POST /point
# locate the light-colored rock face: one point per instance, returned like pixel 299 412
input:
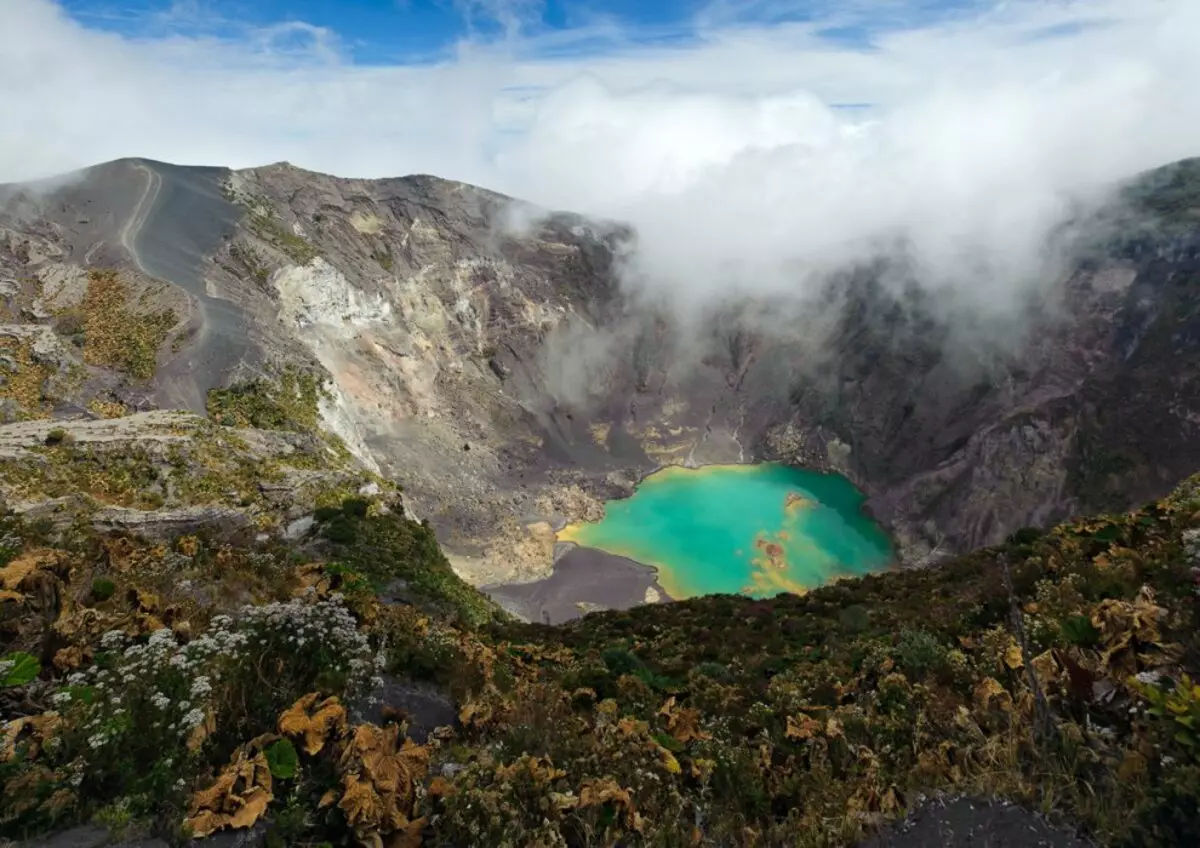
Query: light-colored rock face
pixel 319 294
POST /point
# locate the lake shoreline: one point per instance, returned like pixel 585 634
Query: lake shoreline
pixel 584 579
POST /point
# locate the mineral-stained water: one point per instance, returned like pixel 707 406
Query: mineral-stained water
pixel 751 529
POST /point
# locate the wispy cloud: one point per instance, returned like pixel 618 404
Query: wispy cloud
pixel 719 140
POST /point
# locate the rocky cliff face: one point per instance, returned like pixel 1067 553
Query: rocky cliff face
pixel 488 359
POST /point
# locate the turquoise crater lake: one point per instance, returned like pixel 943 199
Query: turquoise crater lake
pixel 756 530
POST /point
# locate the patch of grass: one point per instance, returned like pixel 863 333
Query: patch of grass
pixel 383 256
pixel 289 402
pixel 107 408
pixel 269 229
pixel 116 334
pixel 250 261
pixel 25 379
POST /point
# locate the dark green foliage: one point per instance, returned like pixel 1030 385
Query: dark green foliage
pixel 324 514
pixel 388 547
pixel 17 669
pixel 56 436
pixel 620 661
pixel 1171 814
pixel 340 530
pixel 103 589
pixel 356 507
pixel 283 759
pixel 1079 630
pixel 855 618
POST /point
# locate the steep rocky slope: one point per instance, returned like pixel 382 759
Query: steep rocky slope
pixel 489 359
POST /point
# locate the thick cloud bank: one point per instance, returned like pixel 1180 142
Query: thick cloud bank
pixel 735 156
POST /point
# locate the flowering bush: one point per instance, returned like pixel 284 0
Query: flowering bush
pixel 148 714
pixel 284 651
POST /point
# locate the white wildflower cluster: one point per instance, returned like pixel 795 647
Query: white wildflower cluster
pixel 162 688
pixel 6 666
pixel 144 690
pixel 112 640
pixel 300 625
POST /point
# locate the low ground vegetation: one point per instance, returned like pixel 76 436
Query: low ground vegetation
pixel 195 687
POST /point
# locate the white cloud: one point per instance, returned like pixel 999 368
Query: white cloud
pixel 726 151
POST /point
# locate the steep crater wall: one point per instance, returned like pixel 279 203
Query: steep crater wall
pixel 487 356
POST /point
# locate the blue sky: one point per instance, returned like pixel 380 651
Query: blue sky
pixel 605 105
pixel 391 31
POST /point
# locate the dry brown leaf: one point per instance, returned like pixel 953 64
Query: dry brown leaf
pixel 833 728
pixel 632 727
pixel 802 727
pixel 439 787
pixel 6 595
pixel 409 837
pixel 683 723
pixel 1046 666
pixel 72 657
pixel 14 574
pixel 315 722
pixel 35 731
pixel 990 693
pixel 312 578
pixel 361 803
pixel 380 775
pixel 143 600
pixel 599 791
pixel 1012 655
pixel 237 798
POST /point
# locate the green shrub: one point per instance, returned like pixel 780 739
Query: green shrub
pixel 919 653
pixel 150 715
pixel 103 589
pixel 289 402
pixel 621 661
pixel 356 507
pixel 855 618
pixel 340 531
pixel 57 436
pixel 326 513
